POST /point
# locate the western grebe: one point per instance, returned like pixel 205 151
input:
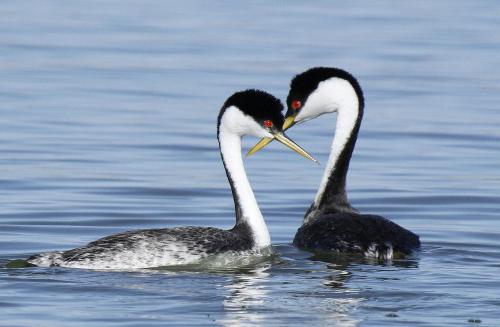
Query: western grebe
pixel 331 223
pixel 250 112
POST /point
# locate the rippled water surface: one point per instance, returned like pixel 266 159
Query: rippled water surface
pixel 107 124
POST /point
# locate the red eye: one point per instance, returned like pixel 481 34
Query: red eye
pixel 268 123
pixel 296 104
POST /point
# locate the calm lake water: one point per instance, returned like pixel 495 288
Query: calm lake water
pixel 108 121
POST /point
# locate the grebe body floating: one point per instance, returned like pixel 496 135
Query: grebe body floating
pixel 249 112
pixel 331 224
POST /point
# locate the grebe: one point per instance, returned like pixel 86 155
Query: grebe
pixel 331 224
pixel 251 112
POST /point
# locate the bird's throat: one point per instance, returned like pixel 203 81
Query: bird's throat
pixel 331 195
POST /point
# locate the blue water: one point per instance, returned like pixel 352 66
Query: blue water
pixel 107 124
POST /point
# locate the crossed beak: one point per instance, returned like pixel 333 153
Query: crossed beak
pixel 289 122
pixel 283 139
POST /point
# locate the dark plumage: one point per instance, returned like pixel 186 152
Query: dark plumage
pixel 331 223
pixel 351 233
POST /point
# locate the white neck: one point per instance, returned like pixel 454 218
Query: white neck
pixel 230 147
pixel 344 99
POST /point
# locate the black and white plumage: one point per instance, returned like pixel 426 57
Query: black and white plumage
pixel 248 112
pixel 151 248
pixel 331 224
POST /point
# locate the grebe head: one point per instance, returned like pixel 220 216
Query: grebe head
pixel 255 112
pixel 318 91
pixel 321 90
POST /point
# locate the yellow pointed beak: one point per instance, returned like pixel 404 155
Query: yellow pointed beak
pixel 262 143
pixel 280 137
pixel 289 122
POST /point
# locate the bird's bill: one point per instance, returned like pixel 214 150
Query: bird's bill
pixel 283 139
pixel 262 143
pixel 289 122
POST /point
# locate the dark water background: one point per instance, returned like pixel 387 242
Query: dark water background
pixel 107 124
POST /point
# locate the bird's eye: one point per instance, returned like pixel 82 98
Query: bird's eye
pixel 296 104
pixel 268 123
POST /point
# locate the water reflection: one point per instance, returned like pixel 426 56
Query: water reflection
pixel 337 281
pixel 340 261
pixel 339 308
pixel 339 311
pixel 341 299
pixel 247 297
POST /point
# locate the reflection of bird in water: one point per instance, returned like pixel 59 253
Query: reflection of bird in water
pixel 249 112
pixel 247 298
pixel 341 299
pixel 331 224
pixel 338 280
